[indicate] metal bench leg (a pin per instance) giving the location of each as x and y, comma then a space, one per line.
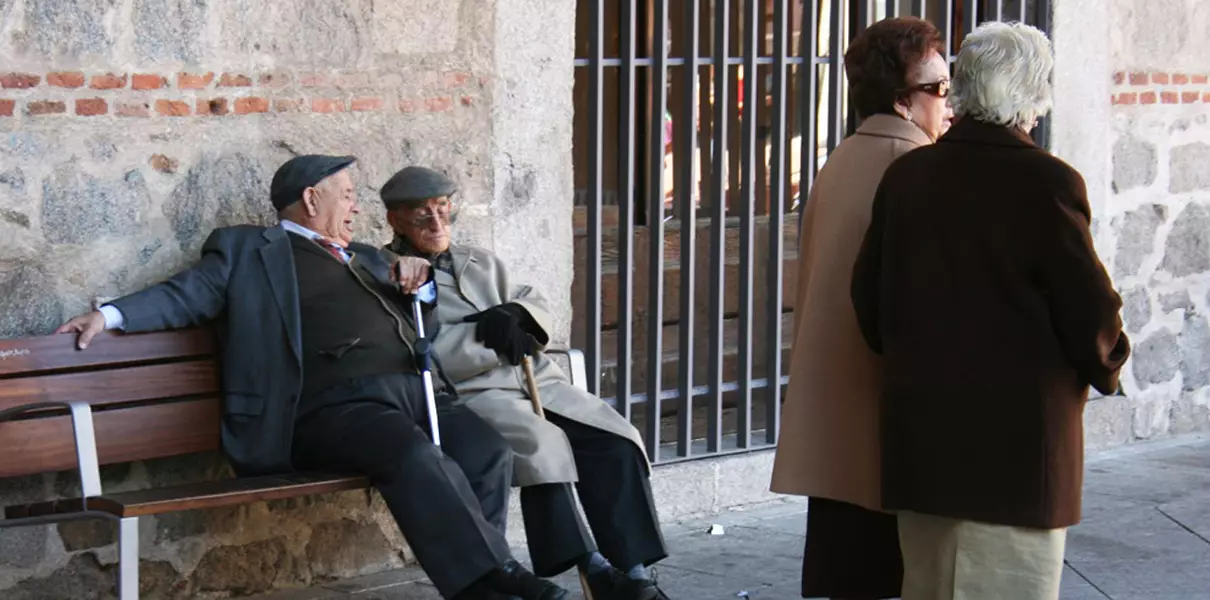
128, 559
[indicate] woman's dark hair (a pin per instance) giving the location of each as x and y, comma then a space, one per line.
878, 61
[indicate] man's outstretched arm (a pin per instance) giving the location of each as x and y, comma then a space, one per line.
190, 297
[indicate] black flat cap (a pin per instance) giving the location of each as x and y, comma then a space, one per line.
415, 184
302, 172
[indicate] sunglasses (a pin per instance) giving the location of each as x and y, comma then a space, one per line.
940, 89
442, 212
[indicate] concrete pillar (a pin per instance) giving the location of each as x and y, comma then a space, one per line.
531, 148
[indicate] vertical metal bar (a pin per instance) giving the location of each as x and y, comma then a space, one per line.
892, 9
718, 223
626, 201
1024, 5
748, 183
970, 15
808, 98
655, 223
863, 16
777, 180
1041, 133
948, 30
918, 9
835, 81
86, 449
128, 558
592, 304
999, 10
686, 188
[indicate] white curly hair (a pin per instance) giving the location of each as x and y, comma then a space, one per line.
1002, 75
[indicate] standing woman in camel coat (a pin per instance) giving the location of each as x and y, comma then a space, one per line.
829, 448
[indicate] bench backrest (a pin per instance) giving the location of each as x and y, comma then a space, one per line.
153, 395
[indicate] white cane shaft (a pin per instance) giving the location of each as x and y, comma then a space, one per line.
430, 399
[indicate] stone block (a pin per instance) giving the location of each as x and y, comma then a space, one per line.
219, 190
1187, 168
1190, 415
688, 490
315, 33
1135, 163
66, 28
744, 480
1187, 249
1156, 359
1176, 301
1136, 238
347, 548
160, 580
28, 305
87, 535
1108, 422
22, 547
79, 208
13, 217
82, 578
249, 569
13, 178
1195, 353
1136, 308
169, 29
172, 527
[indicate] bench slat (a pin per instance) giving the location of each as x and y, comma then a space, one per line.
129, 434
194, 496
28, 356
112, 386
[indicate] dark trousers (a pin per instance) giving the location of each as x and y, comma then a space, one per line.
851, 552
451, 504
616, 495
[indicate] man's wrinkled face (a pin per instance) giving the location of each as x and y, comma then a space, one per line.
330, 207
425, 225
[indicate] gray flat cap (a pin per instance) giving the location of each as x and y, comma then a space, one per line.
415, 184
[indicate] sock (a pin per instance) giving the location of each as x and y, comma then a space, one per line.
594, 562
638, 572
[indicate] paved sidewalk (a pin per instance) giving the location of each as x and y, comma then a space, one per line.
1145, 536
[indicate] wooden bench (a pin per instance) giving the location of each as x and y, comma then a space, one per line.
129, 398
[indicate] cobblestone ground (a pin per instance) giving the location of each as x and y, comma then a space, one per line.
1145, 536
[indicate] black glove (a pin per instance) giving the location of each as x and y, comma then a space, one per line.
504, 328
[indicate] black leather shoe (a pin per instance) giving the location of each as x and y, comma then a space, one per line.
514, 580
613, 584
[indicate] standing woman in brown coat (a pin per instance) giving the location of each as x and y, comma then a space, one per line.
979, 285
829, 448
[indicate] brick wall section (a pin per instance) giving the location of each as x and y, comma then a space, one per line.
1160, 87
205, 94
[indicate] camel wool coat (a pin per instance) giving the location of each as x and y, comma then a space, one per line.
496, 390
829, 443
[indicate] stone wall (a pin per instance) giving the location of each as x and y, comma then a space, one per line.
130, 128
1133, 113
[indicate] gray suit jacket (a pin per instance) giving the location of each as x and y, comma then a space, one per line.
245, 283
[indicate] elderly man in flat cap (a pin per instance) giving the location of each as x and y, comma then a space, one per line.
319, 372
488, 324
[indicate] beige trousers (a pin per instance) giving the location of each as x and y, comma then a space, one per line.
949, 559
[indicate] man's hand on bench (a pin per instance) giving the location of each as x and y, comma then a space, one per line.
88, 325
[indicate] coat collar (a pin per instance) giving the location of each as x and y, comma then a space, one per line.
971, 131
894, 127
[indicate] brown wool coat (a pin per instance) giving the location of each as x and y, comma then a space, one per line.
829, 443
979, 285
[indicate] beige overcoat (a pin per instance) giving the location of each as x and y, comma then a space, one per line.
496, 390
829, 444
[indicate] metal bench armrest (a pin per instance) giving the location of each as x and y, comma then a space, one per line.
579, 369
85, 437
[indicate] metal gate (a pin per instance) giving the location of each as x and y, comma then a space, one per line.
689, 173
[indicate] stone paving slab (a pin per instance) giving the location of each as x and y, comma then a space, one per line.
1145, 535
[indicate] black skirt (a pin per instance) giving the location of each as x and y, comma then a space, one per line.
851, 552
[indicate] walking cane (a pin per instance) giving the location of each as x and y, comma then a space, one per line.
424, 352
527, 364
